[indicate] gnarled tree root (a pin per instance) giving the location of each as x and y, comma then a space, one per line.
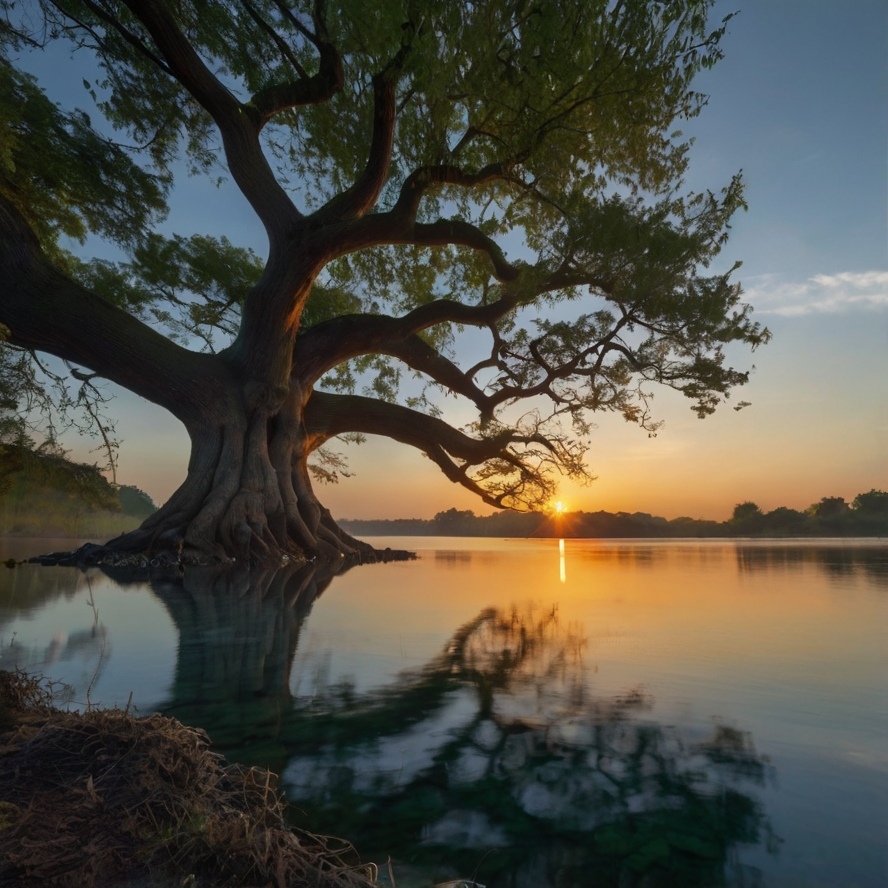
108, 555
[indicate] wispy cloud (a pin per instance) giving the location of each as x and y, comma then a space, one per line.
820, 294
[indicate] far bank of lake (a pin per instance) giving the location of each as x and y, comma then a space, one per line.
866, 516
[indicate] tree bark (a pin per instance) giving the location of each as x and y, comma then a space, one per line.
247, 498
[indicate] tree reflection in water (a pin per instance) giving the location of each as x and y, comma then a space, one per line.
836, 560
24, 593
498, 745
238, 632
496, 758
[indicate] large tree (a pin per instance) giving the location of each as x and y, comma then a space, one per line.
419, 168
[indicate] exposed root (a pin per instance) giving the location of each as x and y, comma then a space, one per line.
111, 555
103, 798
180, 558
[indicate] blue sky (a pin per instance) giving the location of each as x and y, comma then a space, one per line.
800, 104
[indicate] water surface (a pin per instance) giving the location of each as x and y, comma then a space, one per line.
524, 712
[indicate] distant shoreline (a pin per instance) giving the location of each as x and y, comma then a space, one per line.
725, 536
834, 519
51, 514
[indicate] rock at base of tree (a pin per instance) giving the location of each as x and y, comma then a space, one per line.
105, 555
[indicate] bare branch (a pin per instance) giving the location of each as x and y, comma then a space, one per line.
392, 229
421, 180
332, 342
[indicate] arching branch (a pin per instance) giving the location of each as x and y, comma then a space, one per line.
398, 225
182, 59
418, 183
507, 469
328, 415
391, 228
47, 311
332, 342
306, 90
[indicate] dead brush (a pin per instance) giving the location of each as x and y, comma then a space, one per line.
102, 797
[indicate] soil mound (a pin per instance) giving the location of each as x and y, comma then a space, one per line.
102, 798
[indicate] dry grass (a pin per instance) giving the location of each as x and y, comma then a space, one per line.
102, 798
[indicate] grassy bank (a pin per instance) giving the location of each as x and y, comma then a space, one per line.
103, 798
33, 506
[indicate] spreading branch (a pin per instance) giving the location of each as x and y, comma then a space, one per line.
511, 467
238, 127
47, 311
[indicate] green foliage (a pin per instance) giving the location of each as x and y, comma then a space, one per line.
783, 522
47, 467
873, 503
193, 287
829, 507
328, 466
45, 494
575, 96
745, 511
135, 502
65, 178
550, 75
575, 117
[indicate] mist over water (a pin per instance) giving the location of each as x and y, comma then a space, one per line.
526, 712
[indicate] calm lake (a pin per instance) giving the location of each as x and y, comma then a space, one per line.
521, 712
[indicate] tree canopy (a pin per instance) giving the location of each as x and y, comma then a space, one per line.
418, 169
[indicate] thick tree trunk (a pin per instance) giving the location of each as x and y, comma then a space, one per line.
247, 498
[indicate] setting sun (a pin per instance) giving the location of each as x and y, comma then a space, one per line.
559, 506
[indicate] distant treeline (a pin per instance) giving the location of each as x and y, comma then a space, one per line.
866, 515
42, 493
